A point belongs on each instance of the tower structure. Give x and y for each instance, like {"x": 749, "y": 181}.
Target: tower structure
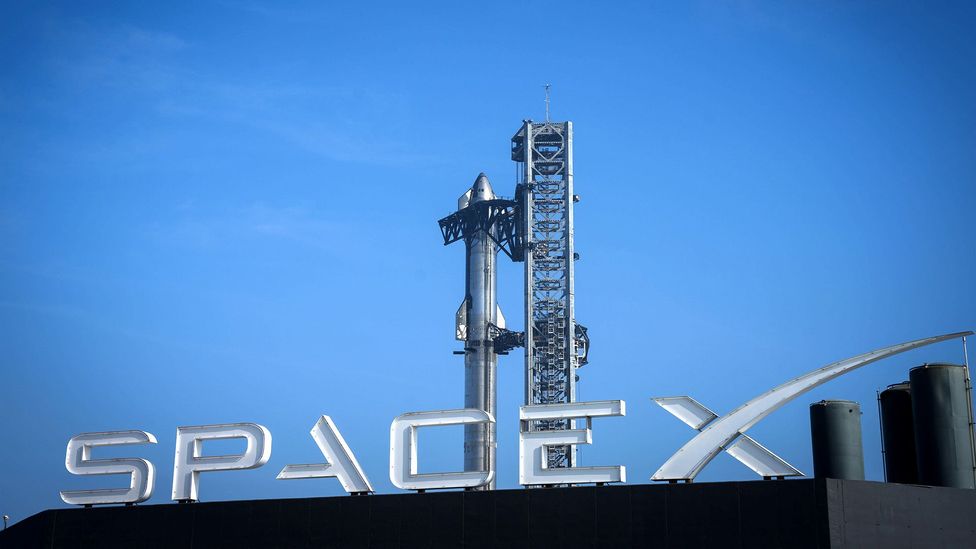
{"x": 537, "y": 229}
{"x": 555, "y": 345}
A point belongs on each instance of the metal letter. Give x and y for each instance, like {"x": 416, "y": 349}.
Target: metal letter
{"x": 190, "y": 461}
{"x": 758, "y": 458}
{"x": 403, "y": 451}
{"x": 691, "y": 458}
{"x": 693, "y": 413}
{"x": 142, "y": 474}
{"x": 534, "y": 466}
{"x": 340, "y": 461}
{"x": 749, "y": 452}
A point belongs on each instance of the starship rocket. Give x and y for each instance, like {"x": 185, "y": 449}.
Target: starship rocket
{"x": 474, "y": 320}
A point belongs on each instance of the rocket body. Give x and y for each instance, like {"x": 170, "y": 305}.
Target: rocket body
{"x": 480, "y": 312}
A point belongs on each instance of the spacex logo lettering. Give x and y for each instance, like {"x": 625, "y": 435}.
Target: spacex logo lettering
{"x": 714, "y": 435}
{"x": 340, "y": 462}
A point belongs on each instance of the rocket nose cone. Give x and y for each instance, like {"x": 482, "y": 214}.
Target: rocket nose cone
{"x": 481, "y": 189}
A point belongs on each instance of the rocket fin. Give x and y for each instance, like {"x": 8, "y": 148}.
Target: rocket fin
{"x": 461, "y": 321}
{"x": 499, "y": 317}
{"x": 465, "y": 199}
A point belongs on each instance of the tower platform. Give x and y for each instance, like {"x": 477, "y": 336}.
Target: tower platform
{"x": 790, "y": 513}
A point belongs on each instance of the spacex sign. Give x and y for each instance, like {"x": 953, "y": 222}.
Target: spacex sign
{"x": 339, "y": 460}
{"x": 715, "y": 434}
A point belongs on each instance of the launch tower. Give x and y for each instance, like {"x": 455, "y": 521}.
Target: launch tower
{"x": 537, "y": 229}
{"x": 555, "y": 345}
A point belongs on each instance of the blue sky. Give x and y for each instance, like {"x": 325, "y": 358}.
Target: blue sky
{"x": 226, "y": 211}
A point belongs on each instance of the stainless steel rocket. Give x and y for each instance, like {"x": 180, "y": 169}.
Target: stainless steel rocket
{"x": 486, "y": 224}
{"x": 474, "y": 320}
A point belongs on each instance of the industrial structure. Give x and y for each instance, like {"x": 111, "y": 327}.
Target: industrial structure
{"x": 942, "y": 418}
{"x": 537, "y": 229}
{"x": 898, "y": 434}
{"x": 835, "y": 432}
{"x": 927, "y": 435}
{"x": 486, "y": 224}
{"x": 544, "y": 197}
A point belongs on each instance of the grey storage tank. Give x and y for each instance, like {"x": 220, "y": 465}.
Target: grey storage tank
{"x": 943, "y": 427}
{"x": 835, "y": 426}
{"x": 898, "y": 434}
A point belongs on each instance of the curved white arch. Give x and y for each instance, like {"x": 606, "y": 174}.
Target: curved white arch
{"x": 691, "y": 458}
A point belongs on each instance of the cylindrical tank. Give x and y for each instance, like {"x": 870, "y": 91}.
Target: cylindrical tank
{"x": 941, "y": 412}
{"x": 835, "y": 426}
{"x": 480, "y": 360}
{"x": 898, "y": 432}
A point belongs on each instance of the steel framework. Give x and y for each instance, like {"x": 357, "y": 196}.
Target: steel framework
{"x": 555, "y": 345}
{"x": 536, "y": 228}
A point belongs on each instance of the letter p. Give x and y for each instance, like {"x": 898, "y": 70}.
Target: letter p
{"x": 190, "y": 461}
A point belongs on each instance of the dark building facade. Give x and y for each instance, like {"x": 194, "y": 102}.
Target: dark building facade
{"x": 789, "y": 513}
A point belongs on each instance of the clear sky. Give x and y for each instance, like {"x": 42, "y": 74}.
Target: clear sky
{"x": 226, "y": 211}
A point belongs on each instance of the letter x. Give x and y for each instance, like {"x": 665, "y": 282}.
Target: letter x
{"x": 745, "y": 449}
